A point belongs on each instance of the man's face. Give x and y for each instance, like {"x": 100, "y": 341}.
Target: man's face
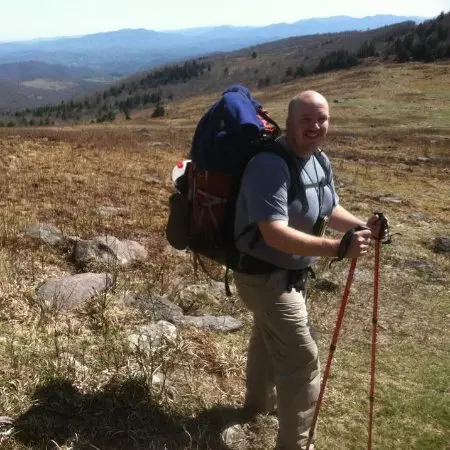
{"x": 307, "y": 126}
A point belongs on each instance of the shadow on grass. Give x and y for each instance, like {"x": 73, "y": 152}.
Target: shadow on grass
{"x": 121, "y": 416}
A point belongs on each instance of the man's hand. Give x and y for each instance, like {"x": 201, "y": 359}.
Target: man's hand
{"x": 376, "y": 224}
{"x": 359, "y": 244}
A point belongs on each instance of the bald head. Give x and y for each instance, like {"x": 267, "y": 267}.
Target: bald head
{"x": 307, "y": 122}
{"x": 304, "y": 100}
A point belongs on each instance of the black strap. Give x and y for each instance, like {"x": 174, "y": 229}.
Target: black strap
{"x": 326, "y": 167}
{"x": 345, "y": 243}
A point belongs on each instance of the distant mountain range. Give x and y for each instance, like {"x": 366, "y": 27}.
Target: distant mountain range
{"x": 131, "y": 50}
{"x": 39, "y": 72}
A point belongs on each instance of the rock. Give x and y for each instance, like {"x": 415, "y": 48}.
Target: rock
{"x": 109, "y": 211}
{"x": 152, "y": 180}
{"x": 442, "y": 244}
{"x": 322, "y": 284}
{"x": 6, "y": 426}
{"x": 423, "y": 159}
{"x": 155, "y": 307}
{"x": 233, "y": 437}
{"x": 389, "y": 199}
{"x": 417, "y": 217}
{"x": 150, "y": 338}
{"x": 109, "y": 250}
{"x": 136, "y": 251}
{"x": 420, "y": 264}
{"x": 160, "y": 381}
{"x": 216, "y": 323}
{"x": 77, "y": 367}
{"x": 47, "y": 233}
{"x": 72, "y": 291}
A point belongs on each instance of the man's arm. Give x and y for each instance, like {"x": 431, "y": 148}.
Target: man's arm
{"x": 341, "y": 220}
{"x": 279, "y": 235}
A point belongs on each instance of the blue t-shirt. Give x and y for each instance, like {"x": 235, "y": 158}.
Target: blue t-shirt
{"x": 263, "y": 196}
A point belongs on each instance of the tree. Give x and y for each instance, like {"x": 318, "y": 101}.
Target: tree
{"x": 159, "y": 110}
{"x": 366, "y": 50}
{"x": 289, "y": 71}
{"x": 300, "y": 71}
{"x": 254, "y": 55}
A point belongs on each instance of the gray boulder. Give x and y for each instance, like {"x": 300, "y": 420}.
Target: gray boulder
{"x": 108, "y": 250}
{"x": 72, "y": 291}
{"x": 154, "y": 307}
{"x": 149, "y": 338}
{"x": 216, "y": 323}
{"x": 48, "y": 234}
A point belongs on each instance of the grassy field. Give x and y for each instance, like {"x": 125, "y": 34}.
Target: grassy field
{"x": 71, "y": 382}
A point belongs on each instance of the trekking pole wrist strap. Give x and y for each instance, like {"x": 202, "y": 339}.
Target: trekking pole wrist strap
{"x": 346, "y": 241}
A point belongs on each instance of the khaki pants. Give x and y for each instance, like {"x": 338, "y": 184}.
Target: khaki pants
{"x": 282, "y": 353}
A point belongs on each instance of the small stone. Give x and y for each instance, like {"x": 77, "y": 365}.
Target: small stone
{"x": 152, "y": 180}
{"x": 109, "y": 211}
{"x": 233, "y": 437}
{"x": 419, "y": 264}
{"x": 442, "y": 244}
{"x": 74, "y": 364}
{"x": 390, "y": 199}
{"x": 417, "y": 217}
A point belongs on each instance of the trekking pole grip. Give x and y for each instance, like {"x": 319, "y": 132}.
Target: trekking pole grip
{"x": 346, "y": 242}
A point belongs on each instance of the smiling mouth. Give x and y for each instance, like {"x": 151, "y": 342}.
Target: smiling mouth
{"x": 312, "y": 135}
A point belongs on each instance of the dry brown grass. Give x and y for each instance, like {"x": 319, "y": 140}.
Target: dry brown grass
{"x": 71, "y": 381}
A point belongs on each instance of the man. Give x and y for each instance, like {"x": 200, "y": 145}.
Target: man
{"x": 282, "y": 350}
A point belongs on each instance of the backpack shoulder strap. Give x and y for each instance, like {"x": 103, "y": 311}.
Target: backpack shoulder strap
{"x": 326, "y": 167}
{"x": 295, "y": 184}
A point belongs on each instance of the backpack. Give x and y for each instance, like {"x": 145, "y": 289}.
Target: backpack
{"x": 227, "y": 137}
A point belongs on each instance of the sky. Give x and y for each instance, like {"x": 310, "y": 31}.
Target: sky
{"x": 30, "y": 19}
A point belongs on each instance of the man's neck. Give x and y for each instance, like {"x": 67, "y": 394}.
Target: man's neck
{"x": 301, "y": 152}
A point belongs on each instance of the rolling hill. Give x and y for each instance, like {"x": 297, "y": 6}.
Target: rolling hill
{"x": 257, "y": 66}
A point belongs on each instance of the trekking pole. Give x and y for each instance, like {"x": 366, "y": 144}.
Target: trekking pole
{"x": 376, "y": 276}
{"x": 337, "y": 329}
{"x": 384, "y": 230}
